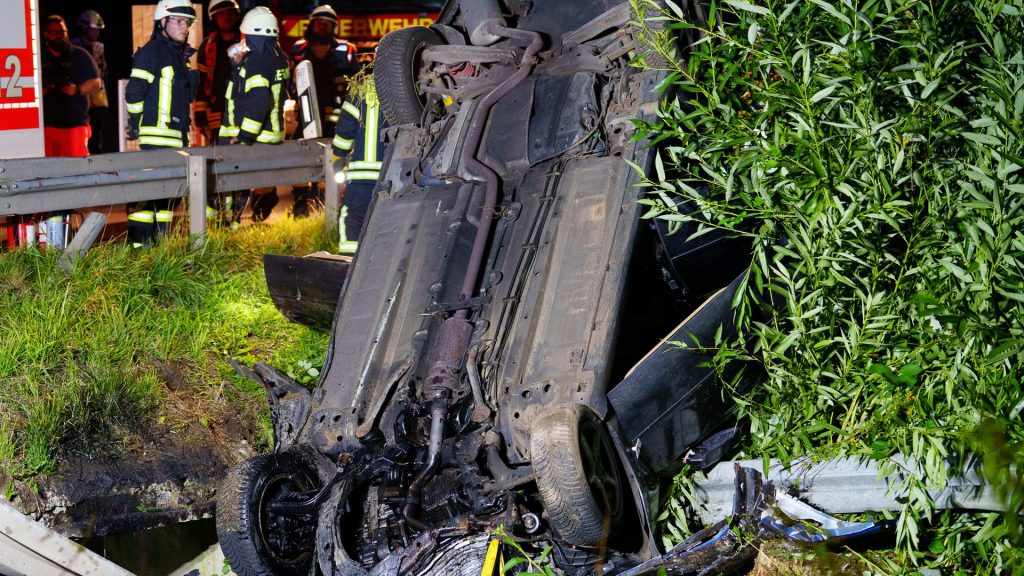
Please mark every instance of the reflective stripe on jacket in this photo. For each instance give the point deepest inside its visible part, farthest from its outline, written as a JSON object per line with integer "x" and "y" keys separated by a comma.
{"x": 160, "y": 92}
{"x": 357, "y": 137}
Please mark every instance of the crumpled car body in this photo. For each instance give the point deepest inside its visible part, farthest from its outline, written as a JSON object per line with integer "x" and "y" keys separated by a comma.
{"x": 498, "y": 354}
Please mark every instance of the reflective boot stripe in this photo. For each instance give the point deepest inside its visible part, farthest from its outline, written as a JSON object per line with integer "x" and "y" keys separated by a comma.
{"x": 143, "y": 216}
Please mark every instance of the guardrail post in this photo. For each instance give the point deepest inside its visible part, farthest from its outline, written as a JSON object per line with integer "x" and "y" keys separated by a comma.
{"x": 88, "y": 232}
{"x": 197, "y": 199}
{"x": 332, "y": 198}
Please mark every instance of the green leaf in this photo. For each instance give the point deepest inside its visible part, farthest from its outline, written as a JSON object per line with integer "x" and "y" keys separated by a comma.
{"x": 746, "y": 7}
{"x": 512, "y": 563}
{"x": 908, "y": 374}
{"x": 884, "y": 371}
{"x": 676, "y": 10}
{"x": 1009, "y": 348}
{"x": 980, "y": 138}
{"x": 822, "y": 94}
{"x": 930, "y": 87}
{"x": 832, "y": 10}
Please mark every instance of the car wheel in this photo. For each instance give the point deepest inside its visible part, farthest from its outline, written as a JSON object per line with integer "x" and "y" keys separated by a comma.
{"x": 578, "y": 473}
{"x": 395, "y": 70}
{"x": 257, "y": 540}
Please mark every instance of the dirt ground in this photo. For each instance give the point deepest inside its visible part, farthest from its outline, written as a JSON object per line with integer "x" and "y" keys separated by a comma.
{"x": 167, "y": 472}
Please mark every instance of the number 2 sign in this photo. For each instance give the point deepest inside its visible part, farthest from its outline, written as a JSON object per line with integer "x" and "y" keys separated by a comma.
{"x": 19, "y": 88}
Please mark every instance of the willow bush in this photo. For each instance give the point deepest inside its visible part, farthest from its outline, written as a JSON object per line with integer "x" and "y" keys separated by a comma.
{"x": 873, "y": 153}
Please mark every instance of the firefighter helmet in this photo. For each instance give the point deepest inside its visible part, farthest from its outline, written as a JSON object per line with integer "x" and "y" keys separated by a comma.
{"x": 165, "y": 8}
{"x": 325, "y": 12}
{"x": 259, "y": 21}
{"x": 218, "y": 5}
{"x": 90, "y": 19}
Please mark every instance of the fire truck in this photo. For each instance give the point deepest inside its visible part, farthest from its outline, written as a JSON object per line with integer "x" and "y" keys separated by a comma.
{"x": 21, "y": 111}
{"x": 362, "y": 23}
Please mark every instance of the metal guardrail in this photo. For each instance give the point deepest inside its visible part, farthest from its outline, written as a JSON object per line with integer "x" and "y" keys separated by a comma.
{"x": 34, "y": 185}
{"x": 849, "y": 485}
{"x": 28, "y": 548}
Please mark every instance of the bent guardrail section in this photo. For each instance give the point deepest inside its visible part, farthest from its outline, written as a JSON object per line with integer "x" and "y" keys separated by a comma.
{"x": 27, "y": 548}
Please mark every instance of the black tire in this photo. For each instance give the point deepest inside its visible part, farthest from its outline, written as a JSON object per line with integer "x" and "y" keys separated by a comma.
{"x": 395, "y": 70}
{"x": 579, "y": 475}
{"x": 254, "y": 540}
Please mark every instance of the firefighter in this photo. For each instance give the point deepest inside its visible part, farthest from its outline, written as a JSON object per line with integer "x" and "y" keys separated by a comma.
{"x": 334, "y": 61}
{"x": 158, "y": 99}
{"x": 254, "y": 106}
{"x": 214, "y": 70}
{"x": 90, "y": 24}
{"x": 214, "y": 67}
{"x": 357, "y": 142}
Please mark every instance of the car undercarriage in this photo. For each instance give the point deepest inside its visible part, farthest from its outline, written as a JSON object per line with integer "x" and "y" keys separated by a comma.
{"x": 496, "y": 363}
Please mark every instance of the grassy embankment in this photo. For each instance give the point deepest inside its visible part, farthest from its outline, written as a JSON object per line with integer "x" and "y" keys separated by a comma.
{"x": 873, "y": 153}
{"x": 93, "y": 357}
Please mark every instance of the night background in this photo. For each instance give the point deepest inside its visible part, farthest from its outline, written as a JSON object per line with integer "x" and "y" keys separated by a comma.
{"x": 117, "y": 18}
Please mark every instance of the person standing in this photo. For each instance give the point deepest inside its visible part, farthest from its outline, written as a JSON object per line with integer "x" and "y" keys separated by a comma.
{"x": 69, "y": 76}
{"x": 215, "y": 67}
{"x": 357, "y": 141}
{"x": 158, "y": 98}
{"x": 334, "y": 61}
{"x": 90, "y": 24}
{"x": 214, "y": 70}
{"x": 254, "y": 106}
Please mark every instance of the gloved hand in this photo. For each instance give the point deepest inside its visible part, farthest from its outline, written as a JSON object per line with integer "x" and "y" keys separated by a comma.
{"x": 131, "y": 130}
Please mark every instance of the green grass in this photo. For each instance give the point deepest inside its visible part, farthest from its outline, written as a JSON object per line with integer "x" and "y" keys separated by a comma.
{"x": 873, "y": 153}
{"x": 86, "y": 357}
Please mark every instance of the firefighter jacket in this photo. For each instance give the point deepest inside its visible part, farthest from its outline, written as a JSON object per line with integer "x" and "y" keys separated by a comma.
{"x": 160, "y": 92}
{"x": 214, "y": 72}
{"x": 357, "y": 138}
{"x": 330, "y": 74}
{"x": 254, "y": 107}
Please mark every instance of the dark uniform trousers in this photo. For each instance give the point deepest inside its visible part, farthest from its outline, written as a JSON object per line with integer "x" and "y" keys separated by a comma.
{"x": 357, "y": 138}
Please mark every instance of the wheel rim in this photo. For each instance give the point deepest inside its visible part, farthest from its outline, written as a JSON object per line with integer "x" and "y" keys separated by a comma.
{"x": 600, "y": 464}
{"x": 287, "y": 540}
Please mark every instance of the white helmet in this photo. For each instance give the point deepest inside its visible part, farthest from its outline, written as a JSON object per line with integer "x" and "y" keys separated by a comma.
{"x": 165, "y": 8}
{"x": 259, "y": 21}
{"x": 325, "y": 12}
{"x": 218, "y": 5}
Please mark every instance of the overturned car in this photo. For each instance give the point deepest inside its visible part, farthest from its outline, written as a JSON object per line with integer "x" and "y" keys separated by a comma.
{"x": 498, "y": 352}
